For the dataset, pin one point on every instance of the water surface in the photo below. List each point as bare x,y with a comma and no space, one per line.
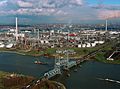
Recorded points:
85,78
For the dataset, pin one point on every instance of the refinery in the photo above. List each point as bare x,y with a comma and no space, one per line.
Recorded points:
35,37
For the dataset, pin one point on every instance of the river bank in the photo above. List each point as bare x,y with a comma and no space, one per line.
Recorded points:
17,81
106,51
13,81
51,52
78,52
101,58
48,84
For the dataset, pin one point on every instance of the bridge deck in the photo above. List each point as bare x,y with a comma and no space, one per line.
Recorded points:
52,73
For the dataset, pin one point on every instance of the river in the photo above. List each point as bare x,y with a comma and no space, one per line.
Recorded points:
13,62
86,77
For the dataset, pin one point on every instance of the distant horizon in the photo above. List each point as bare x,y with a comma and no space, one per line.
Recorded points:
85,23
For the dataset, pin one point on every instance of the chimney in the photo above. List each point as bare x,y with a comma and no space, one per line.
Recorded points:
106,27
16,32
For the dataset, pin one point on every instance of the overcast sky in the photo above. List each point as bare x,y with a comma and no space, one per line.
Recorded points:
58,11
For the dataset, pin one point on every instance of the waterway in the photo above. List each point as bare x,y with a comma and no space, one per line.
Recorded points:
12,62
86,77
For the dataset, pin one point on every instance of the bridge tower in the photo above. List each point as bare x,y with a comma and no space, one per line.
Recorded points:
67,60
54,71
57,62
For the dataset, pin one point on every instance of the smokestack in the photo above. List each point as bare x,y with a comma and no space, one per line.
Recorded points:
16,33
106,28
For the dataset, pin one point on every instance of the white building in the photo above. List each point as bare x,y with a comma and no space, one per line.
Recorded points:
83,45
93,44
9,45
2,45
79,45
88,45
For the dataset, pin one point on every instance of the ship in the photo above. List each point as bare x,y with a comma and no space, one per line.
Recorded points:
39,62
109,80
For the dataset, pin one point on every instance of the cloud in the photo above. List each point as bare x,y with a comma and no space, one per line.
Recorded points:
108,14
108,7
24,4
29,11
38,7
3,3
62,10
100,4
106,11
77,2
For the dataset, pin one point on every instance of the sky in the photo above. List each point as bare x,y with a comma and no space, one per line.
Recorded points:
58,11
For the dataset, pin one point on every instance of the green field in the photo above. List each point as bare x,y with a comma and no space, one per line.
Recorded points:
101,56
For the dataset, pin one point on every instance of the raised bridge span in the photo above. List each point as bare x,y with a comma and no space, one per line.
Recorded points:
66,64
58,66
